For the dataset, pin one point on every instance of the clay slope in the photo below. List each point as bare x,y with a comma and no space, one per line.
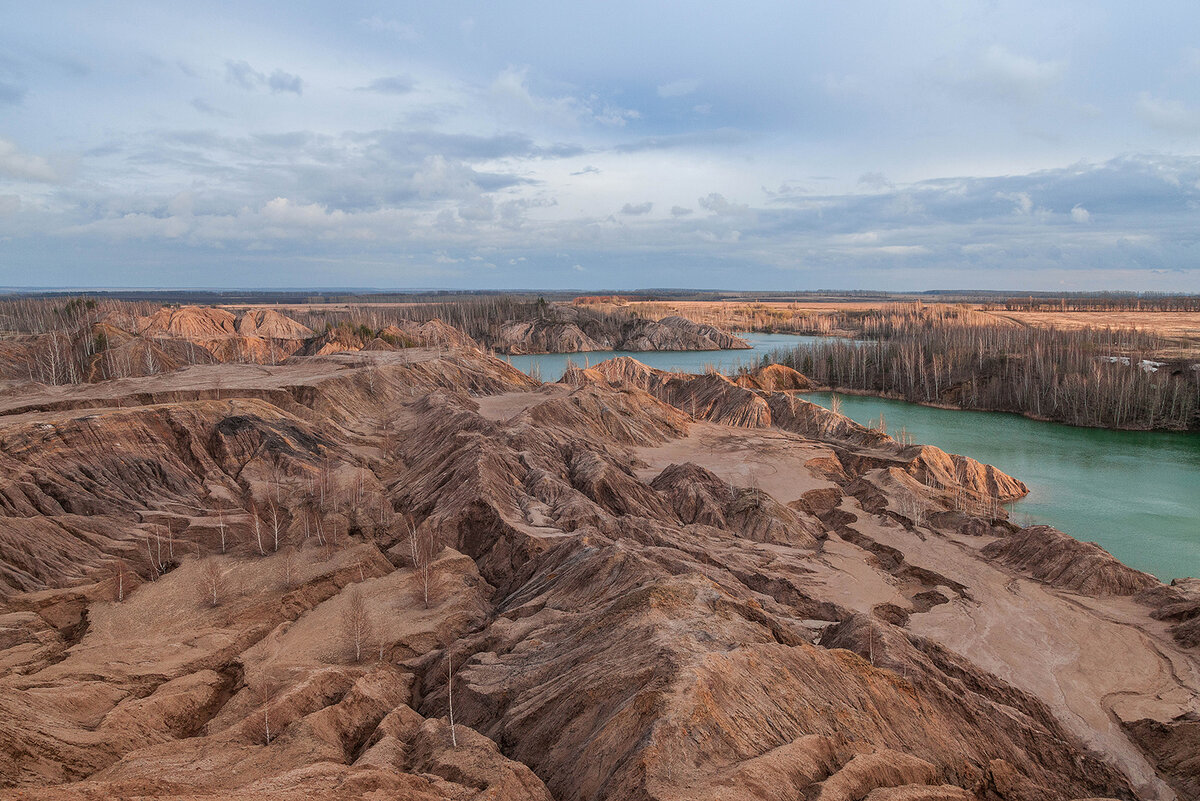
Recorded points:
568,330
616,598
1049,555
719,399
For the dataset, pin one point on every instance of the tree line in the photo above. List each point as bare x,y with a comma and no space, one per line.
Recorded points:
1100,377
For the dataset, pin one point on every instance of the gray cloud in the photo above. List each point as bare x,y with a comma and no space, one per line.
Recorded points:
204,107
375,184
717,204
240,73
637,210
243,75
389,85
281,81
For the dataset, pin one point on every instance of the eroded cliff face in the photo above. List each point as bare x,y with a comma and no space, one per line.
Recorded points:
631,585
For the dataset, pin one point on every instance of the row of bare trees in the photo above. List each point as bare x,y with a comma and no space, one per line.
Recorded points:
1148,302
941,354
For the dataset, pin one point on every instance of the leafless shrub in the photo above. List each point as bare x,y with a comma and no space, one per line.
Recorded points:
212,582
914,508
356,622
424,546
288,567
258,533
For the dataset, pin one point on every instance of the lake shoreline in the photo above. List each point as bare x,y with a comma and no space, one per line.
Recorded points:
893,396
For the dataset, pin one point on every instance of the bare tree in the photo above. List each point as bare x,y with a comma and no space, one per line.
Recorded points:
913,507
424,547
257,529
120,569
212,581
356,622
450,694
276,524
446,635
266,691
150,558
221,525
288,568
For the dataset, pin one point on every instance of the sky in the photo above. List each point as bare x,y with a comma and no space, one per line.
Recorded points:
575,145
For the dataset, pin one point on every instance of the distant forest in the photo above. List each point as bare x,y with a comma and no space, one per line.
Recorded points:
951,355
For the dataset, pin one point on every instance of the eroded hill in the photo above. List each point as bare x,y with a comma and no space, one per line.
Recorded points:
261,581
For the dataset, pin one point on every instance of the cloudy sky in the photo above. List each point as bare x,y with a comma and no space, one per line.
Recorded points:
789,145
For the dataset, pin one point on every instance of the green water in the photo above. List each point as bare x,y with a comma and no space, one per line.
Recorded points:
1135,493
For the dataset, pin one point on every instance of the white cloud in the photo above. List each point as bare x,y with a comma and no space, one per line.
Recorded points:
1022,202
1001,74
874,180
1170,116
1080,215
513,98
717,204
25,167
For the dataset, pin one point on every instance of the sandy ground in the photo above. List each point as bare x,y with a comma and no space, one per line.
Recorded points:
769,459
1089,659
508,405
1094,661
209,378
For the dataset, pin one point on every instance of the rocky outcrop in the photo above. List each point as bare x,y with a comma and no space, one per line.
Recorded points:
1179,604
775,378
1049,555
565,329
718,399
270,324
698,496
189,322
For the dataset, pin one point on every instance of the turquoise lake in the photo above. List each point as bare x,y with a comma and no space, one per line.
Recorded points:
1135,493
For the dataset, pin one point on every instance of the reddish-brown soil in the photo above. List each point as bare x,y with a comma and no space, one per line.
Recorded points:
629,585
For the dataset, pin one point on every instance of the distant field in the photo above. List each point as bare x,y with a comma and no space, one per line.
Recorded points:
828,317
1181,327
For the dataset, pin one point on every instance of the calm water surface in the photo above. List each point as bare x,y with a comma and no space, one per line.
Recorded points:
553,365
1135,493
